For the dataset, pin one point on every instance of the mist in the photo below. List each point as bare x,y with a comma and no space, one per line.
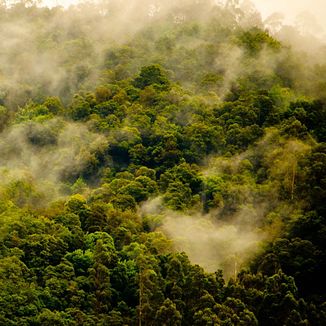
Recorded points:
61,51
229,236
48,155
308,13
213,240
58,51
304,12
216,244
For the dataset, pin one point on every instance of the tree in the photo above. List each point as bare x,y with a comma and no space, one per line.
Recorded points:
178,196
152,75
168,315
19,297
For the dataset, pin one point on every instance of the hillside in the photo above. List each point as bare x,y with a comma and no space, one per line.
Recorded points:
161,163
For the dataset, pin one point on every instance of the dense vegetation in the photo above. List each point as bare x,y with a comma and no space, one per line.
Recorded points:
114,121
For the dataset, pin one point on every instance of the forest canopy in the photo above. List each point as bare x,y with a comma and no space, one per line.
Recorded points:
162,163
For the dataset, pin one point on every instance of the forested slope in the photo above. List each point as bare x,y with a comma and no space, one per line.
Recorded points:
160,164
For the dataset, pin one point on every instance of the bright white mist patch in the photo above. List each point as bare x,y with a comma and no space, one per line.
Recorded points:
214,245
208,240
308,15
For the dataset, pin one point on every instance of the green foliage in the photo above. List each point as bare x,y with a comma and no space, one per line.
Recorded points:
196,113
255,39
33,111
4,117
22,193
152,75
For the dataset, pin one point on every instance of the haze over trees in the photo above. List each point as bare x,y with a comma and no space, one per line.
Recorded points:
162,163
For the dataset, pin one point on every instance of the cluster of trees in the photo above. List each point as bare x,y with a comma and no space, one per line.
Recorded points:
173,115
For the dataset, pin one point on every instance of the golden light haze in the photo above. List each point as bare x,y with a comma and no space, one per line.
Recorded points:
294,11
